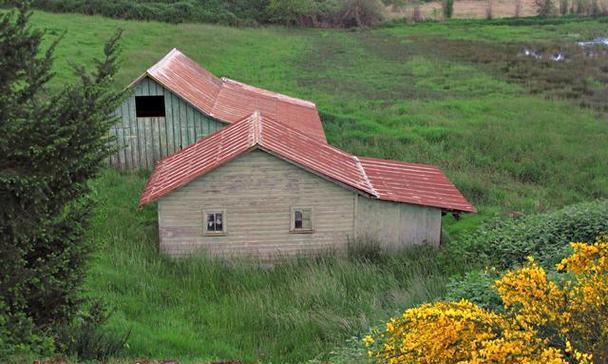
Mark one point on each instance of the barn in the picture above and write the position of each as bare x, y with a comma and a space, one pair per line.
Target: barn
176, 102
261, 187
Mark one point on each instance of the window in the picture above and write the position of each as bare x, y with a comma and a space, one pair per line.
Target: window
215, 223
149, 106
301, 220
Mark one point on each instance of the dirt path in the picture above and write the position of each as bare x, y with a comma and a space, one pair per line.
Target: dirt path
467, 9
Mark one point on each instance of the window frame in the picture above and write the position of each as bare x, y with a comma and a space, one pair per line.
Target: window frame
164, 109
292, 221
206, 213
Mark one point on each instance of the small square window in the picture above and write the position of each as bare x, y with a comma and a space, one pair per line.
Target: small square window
214, 223
149, 106
301, 220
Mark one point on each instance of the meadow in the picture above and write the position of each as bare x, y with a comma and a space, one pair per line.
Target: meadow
456, 94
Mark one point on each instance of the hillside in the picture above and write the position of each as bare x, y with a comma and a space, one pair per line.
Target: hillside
459, 94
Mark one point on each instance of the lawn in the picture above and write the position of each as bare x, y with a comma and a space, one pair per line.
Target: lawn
431, 93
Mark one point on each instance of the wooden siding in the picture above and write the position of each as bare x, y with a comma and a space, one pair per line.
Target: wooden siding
257, 192
395, 225
144, 141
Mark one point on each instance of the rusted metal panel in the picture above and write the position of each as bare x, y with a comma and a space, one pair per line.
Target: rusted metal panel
229, 100
419, 184
376, 178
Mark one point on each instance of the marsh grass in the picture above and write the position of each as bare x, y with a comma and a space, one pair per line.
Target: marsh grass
198, 307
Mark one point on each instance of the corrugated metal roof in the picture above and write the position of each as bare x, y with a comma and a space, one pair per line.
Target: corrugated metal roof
376, 178
228, 100
419, 184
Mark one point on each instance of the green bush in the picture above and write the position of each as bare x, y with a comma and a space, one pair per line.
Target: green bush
448, 8
475, 286
507, 242
87, 337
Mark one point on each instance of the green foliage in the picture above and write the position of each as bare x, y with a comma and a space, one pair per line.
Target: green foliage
544, 8
87, 338
51, 145
504, 243
447, 6
397, 92
477, 287
197, 308
210, 11
336, 13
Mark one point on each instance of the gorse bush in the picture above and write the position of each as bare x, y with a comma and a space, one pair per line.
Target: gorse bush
504, 243
565, 321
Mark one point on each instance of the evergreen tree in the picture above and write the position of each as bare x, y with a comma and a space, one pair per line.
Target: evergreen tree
51, 144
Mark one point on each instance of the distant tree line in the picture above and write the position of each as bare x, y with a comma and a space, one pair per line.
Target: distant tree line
310, 13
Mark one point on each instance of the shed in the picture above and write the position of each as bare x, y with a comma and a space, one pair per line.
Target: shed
261, 187
176, 102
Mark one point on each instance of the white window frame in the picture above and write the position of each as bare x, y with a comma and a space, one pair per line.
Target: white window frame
292, 221
206, 213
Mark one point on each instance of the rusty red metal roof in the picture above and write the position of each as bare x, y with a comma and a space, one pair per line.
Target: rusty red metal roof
376, 178
414, 183
228, 100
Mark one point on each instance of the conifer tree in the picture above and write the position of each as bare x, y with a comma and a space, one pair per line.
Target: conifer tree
51, 145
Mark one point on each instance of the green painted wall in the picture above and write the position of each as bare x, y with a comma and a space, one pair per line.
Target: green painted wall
144, 141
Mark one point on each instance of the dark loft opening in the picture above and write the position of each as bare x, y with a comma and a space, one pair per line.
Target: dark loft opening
149, 106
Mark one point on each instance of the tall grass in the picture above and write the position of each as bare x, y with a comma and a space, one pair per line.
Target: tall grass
202, 308
394, 92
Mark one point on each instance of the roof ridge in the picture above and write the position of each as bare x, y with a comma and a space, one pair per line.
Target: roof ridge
163, 60
364, 175
256, 126
270, 94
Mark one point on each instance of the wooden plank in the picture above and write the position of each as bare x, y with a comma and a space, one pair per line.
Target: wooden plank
257, 193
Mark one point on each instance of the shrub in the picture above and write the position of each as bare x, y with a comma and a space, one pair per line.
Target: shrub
489, 10
87, 338
447, 7
544, 8
477, 287
544, 321
358, 13
563, 7
504, 243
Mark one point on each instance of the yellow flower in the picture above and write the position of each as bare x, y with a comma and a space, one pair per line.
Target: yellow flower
538, 312
368, 340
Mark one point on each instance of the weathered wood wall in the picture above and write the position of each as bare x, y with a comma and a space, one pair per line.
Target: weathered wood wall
257, 192
395, 225
144, 141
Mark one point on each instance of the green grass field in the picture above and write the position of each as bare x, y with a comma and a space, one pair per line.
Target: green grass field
430, 93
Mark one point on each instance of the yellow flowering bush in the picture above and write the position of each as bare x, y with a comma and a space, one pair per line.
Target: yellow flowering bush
544, 321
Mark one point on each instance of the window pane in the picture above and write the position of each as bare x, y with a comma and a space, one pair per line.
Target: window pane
307, 219
149, 106
298, 219
211, 222
219, 224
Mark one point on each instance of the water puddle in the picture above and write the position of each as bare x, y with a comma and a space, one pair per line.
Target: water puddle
591, 48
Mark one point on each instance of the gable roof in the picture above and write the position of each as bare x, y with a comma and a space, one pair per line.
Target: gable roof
376, 178
415, 183
229, 100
